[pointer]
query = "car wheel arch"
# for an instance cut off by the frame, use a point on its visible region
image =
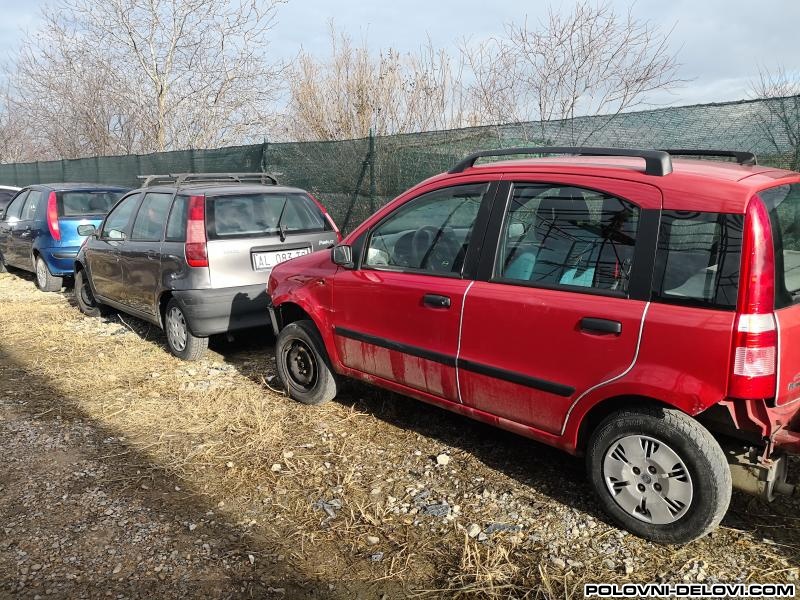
(292, 310)
(163, 300)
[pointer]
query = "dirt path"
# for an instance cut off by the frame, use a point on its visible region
(128, 473)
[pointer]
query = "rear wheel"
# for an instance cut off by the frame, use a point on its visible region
(182, 343)
(303, 364)
(659, 474)
(44, 280)
(87, 303)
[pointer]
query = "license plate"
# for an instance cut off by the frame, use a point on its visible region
(267, 260)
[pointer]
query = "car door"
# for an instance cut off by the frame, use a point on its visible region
(103, 252)
(141, 253)
(7, 226)
(26, 230)
(397, 315)
(561, 296)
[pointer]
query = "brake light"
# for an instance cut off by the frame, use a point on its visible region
(52, 217)
(196, 248)
(327, 217)
(755, 339)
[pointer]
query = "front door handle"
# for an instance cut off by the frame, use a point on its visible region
(436, 301)
(595, 325)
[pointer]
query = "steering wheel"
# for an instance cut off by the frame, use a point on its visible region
(434, 249)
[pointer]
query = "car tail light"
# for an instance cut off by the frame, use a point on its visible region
(327, 217)
(196, 247)
(755, 339)
(52, 217)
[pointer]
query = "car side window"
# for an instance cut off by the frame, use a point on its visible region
(15, 208)
(116, 224)
(567, 236)
(176, 225)
(31, 205)
(151, 218)
(429, 234)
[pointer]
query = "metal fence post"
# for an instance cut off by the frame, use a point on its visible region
(372, 186)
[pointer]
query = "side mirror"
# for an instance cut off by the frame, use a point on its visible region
(115, 234)
(342, 255)
(86, 230)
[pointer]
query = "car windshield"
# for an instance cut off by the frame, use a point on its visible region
(90, 202)
(253, 215)
(783, 203)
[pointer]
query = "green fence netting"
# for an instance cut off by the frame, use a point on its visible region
(355, 177)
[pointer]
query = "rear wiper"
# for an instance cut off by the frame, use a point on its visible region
(281, 228)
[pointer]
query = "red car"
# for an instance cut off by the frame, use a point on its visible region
(639, 310)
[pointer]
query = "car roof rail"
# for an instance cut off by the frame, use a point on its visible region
(742, 158)
(179, 179)
(657, 162)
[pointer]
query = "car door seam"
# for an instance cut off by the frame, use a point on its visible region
(612, 379)
(458, 346)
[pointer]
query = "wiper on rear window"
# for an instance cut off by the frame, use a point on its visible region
(281, 228)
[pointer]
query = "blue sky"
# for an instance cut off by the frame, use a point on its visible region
(721, 43)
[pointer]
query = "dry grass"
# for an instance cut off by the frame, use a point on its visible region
(267, 462)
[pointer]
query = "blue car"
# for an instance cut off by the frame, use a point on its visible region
(39, 228)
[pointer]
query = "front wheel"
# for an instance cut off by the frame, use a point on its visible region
(44, 280)
(182, 343)
(659, 474)
(87, 303)
(303, 364)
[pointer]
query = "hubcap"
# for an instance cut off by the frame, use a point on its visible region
(176, 329)
(301, 364)
(647, 479)
(41, 272)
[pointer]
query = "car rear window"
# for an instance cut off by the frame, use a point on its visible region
(783, 204)
(94, 202)
(698, 257)
(257, 215)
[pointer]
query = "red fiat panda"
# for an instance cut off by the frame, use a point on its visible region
(639, 310)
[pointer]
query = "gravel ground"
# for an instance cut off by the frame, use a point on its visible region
(127, 473)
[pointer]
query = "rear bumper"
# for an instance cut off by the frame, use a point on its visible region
(217, 311)
(60, 261)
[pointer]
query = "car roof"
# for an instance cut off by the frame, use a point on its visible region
(220, 189)
(66, 187)
(713, 186)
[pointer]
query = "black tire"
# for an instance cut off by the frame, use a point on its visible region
(3, 265)
(303, 364)
(180, 339)
(44, 280)
(669, 433)
(84, 296)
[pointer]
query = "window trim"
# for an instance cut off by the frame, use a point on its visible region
(21, 193)
(643, 249)
(27, 202)
(479, 228)
(179, 239)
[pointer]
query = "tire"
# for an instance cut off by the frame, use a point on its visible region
(44, 280)
(303, 364)
(84, 297)
(663, 456)
(3, 265)
(180, 339)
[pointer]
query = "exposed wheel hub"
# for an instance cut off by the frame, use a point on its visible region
(301, 364)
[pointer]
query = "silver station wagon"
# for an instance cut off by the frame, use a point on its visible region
(191, 253)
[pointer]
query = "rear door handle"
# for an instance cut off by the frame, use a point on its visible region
(152, 255)
(436, 301)
(595, 325)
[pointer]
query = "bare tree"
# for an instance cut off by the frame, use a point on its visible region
(122, 76)
(780, 120)
(590, 61)
(355, 90)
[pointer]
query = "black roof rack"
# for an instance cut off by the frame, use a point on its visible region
(657, 162)
(182, 178)
(742, 158)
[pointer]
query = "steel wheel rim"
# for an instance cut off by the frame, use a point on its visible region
(647, 479)
(41, 273)
(301, 364)
(176, 329)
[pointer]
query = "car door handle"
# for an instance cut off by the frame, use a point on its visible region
(436, 301)
(26, 232)
(152, 255)
(595, 325)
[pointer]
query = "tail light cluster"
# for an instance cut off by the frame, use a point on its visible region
(196, 240)
(52, 216)
(755, 339)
